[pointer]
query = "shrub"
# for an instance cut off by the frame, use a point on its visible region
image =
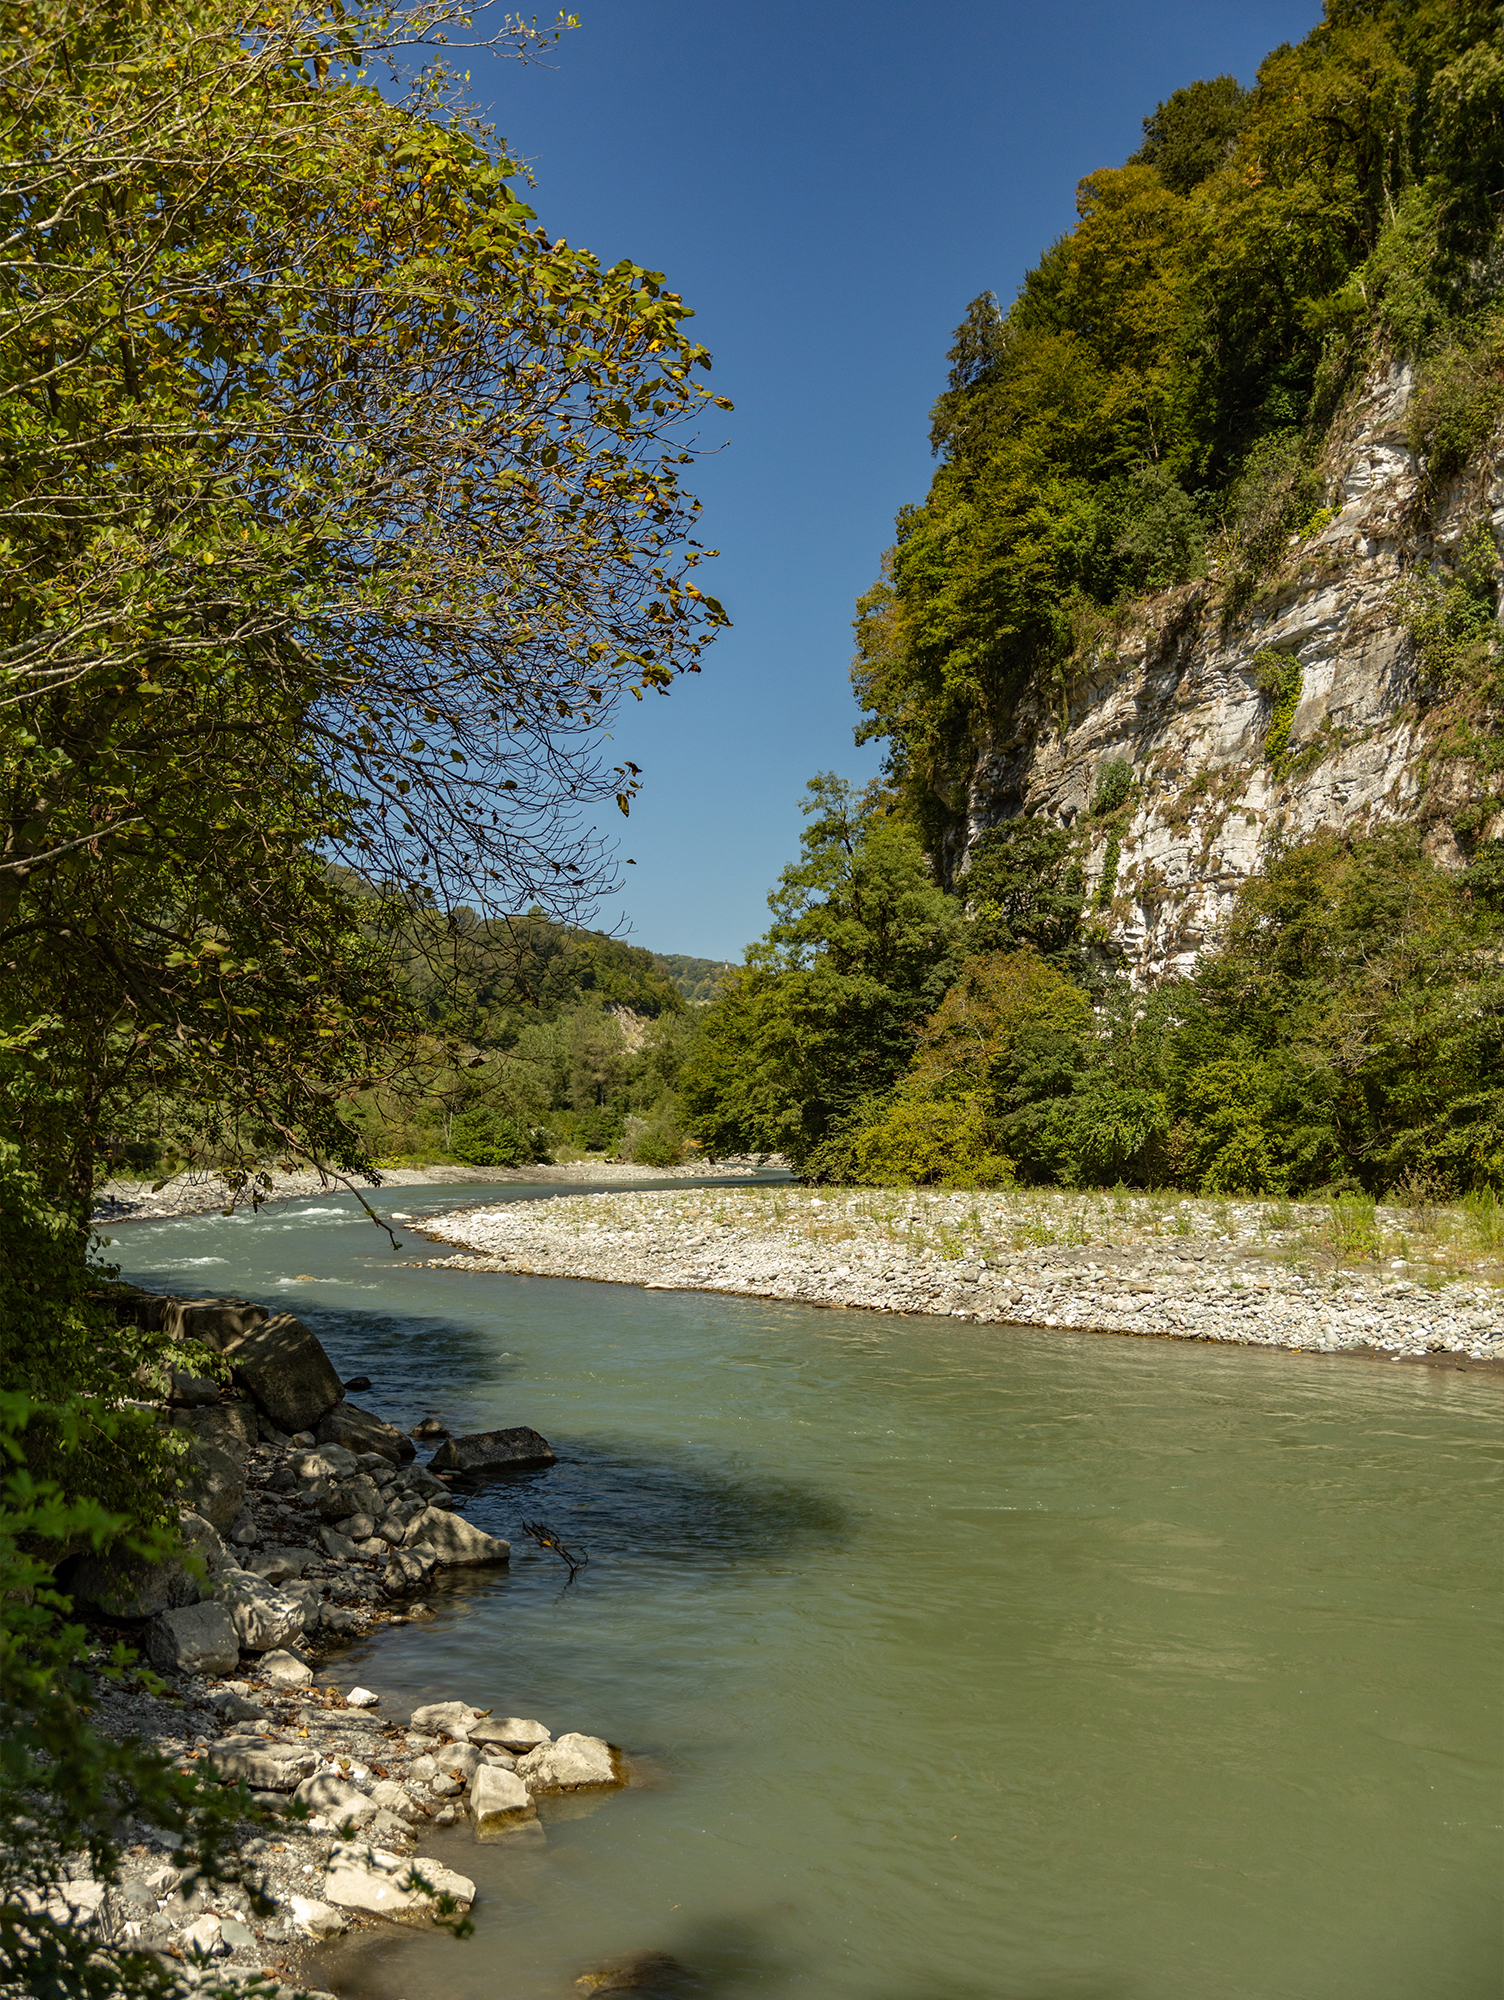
(483, 1137)
(1274, 495)
(1451, 618)
(910, 1141)
(1278, 677)
(1458, 401)
(1163, 539)
(656, 1140)
(1114, 783)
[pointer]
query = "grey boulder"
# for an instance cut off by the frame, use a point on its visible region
(453, 1540)
(389, 1796)
(277, 1564)
(408, 1570)
(198, 1639)
(285, 1670)
(345, 1497)
(121, 1586)
(264, 1618)
(229, 1422)
(330, 1461)
(191, 1391)
(263, 1766)
(216, 1323)
(357, 1430)
(284, 1367)
(512, 1732)
(336, 1798)
(213, 1485)
(571, 1764)
(492, 1451)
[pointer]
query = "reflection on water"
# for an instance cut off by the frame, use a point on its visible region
(956, 1662)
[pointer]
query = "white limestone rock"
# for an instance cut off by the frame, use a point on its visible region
(571, 1764)
(446, 1718)
(384, 1884)
(497, 1798)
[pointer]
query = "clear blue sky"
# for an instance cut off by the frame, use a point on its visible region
(828, 184)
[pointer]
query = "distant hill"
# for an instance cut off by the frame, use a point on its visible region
(698, 979)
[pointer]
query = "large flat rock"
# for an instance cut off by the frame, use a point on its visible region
(358, 1430)
(385, 1884)
(572, 1764)
(492, 1451)
(265, 1767)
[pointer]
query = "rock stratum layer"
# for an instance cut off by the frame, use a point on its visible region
(1176, 695)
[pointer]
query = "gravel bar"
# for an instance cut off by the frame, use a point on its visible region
(1314, 1277)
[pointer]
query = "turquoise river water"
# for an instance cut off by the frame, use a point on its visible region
(959, 1663)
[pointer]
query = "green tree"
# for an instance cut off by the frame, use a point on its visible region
(823, 1012)
(1194, 132)
(340, 507)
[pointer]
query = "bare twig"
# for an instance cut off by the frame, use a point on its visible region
(544, 1536)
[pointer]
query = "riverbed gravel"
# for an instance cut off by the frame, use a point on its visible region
(1325, 1278)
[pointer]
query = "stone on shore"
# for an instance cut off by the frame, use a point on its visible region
(388, 1796)
(330, 1461)
(284, 1366)
(453, 1540)
(408, 1570)
(264, 1618)
(196, 1639)
(497, 1798)
(336, 1798)
(446, 1718)
(189, 1391)
(262, 1765)
(285, 1670)
(213, 1323)
(492, 1451)
(277, 1565)
(345, 1497)
(229, 1422)
(213, 1484)
(357, 1430)
(374, 1879)
(317, 1918)
(121, 1586)
(570, 1764)
(511, 1732)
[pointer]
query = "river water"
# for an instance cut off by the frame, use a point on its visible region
(960, 1663)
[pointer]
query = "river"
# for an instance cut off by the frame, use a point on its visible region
(961, 1663)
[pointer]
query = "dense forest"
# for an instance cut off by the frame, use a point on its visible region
(1151, 410)
(530, 1040)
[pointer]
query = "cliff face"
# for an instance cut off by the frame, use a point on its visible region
(1177, 696)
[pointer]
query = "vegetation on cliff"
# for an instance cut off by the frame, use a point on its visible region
(1150, 412)
(1154, 402)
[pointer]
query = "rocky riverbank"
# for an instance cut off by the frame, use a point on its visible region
(1326, 1278)
(310, 1524)
(208, 1194)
